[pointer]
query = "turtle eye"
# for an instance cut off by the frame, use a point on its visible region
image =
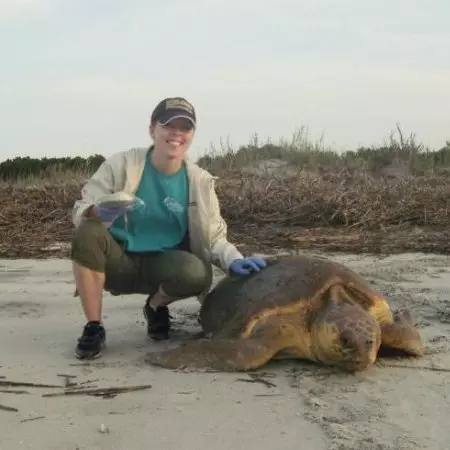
(346, 339)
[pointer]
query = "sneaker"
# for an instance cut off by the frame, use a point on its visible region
(158, 322)
(91, 342)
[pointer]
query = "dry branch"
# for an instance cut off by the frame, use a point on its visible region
(8, 408)
(106, 391)
(326, 211)
(26, 384)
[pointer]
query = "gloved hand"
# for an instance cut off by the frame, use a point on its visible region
(247, 265)
(108, 214)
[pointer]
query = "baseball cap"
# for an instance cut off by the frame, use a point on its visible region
(173, 108)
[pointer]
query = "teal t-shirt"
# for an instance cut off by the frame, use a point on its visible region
(162, 222)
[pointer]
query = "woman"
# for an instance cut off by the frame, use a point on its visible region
(163, 248)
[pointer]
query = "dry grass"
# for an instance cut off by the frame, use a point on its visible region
(336, 200)
(326, 200)
(339, 212)
(35, 216)
(329, 211)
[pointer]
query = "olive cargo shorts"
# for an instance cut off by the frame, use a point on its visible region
(180, 273)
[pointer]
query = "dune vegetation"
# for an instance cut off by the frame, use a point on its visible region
(292, 195)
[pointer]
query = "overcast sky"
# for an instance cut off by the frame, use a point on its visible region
(82, 77)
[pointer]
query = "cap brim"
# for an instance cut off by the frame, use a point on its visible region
(177, 116)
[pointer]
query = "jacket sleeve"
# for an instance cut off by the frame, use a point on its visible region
(103, 182)
(223, 251)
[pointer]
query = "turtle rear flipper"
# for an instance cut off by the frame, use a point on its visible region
(225, 354)
(400, 336)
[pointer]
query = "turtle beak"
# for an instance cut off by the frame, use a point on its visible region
(357, 366)
(361, 364)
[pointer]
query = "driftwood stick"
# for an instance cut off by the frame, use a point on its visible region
(99, 391)
(76, 387)
(405, 366)
(268, 395)
(32, 418)
(8, 408)
(81, 384)
(9, 391)
(24, 384)
(257, 378)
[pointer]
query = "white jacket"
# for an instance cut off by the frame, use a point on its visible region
(207, 228)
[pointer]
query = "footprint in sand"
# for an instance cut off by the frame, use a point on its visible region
(21, 309)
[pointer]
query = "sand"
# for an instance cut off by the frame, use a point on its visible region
(292, 405)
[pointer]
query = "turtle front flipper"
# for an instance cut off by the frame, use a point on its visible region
(401, 336)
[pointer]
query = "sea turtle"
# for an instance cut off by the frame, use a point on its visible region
(297, 307)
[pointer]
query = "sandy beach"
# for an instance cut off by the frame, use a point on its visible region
(286, 405)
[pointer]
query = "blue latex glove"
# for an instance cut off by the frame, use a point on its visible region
(247, 265)
(108, 214)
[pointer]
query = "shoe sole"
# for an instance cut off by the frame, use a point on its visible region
(80, 354)
(158, 337)
(88, 356)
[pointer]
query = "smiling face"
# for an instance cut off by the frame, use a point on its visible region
(173, 139)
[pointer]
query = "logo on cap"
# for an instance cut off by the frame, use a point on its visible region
(179, 103)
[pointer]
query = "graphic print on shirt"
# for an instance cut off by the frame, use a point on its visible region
(163, 222)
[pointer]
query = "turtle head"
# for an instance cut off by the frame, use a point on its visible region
(346, 336)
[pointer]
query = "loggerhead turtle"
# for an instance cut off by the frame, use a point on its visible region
(297, 307)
